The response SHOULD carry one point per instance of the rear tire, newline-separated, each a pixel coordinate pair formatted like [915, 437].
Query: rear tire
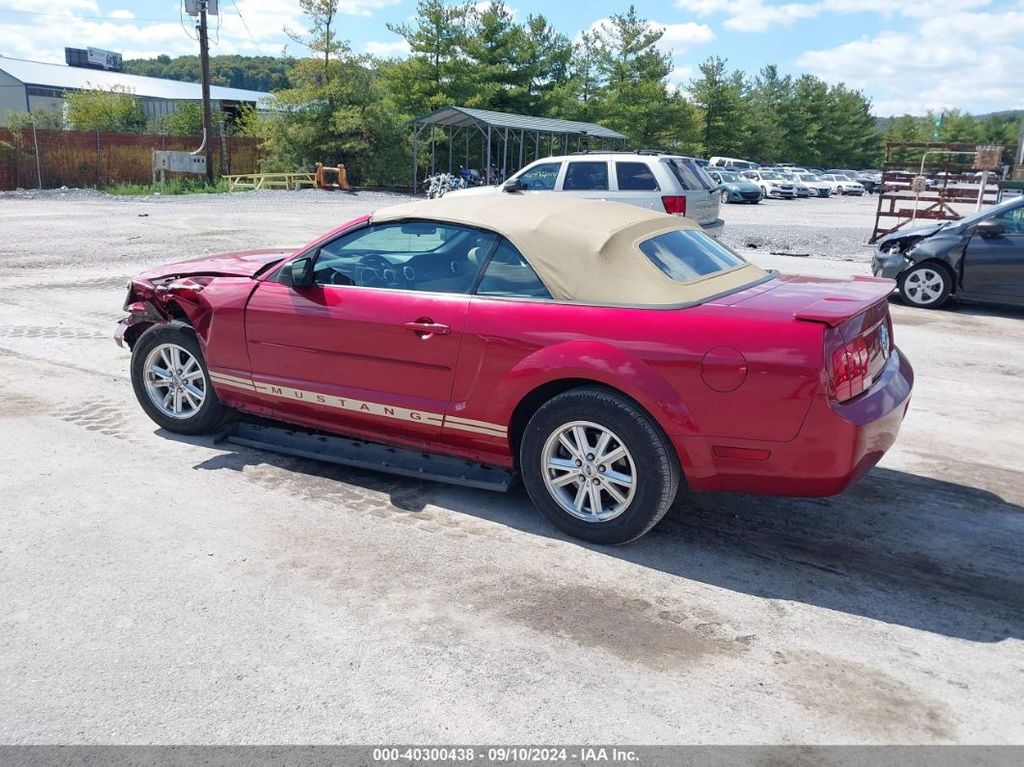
[171, 381]
[597, 466]
[926, 285]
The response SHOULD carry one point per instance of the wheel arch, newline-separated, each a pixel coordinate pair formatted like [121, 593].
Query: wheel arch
[947, 269]
[534, 399]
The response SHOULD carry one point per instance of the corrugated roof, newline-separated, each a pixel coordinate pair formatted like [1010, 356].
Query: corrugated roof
[61, 76]
[465, 116]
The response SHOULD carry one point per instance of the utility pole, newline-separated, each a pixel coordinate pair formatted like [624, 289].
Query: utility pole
[204, 65]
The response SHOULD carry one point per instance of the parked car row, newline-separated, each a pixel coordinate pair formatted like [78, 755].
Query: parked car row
[752, 186]
[788, 181]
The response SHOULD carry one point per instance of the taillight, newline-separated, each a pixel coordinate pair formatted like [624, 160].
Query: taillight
[674, 204]
[851, 374]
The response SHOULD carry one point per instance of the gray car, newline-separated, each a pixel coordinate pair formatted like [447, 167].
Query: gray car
[978, 258]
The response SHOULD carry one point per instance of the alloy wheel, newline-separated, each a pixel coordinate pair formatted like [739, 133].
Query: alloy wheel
[588, 471]
[174, 381]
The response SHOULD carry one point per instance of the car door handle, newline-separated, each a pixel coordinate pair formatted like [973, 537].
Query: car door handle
[428, 328]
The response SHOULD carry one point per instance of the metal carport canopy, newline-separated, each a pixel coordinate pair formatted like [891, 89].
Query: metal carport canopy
[466, 116]
[503, 128]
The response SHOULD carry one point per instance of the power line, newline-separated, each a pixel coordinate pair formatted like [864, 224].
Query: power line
[244, 24]
[72, 16]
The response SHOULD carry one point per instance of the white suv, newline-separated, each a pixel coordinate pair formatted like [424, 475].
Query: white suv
[668, 182]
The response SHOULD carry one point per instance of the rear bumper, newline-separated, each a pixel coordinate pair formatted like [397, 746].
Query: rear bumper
[837, 444]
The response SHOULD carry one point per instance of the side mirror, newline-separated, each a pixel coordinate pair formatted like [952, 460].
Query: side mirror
[513, 185]
[989, 228]
[301, 272]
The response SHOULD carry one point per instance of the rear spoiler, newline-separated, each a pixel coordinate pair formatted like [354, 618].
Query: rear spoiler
[858, 296]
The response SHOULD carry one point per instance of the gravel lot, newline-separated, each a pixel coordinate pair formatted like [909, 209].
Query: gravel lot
[795, 227]
[164, 590]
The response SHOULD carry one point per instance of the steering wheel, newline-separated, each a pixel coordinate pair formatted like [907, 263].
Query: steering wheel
[375, 271]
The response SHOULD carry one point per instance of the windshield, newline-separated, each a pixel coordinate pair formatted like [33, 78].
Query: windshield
[769, 176]
[728, 178]
[995, 210]
[809, 177]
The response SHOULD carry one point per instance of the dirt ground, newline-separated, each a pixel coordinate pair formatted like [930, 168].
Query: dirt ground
[157, 589]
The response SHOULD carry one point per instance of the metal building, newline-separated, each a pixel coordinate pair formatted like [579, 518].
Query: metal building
[500, 142]
[32, 86]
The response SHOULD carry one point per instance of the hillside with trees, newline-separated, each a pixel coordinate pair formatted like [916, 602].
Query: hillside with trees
[254, 73]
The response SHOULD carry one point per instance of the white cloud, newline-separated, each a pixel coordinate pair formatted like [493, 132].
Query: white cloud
[679, 79]
[761, 15]
[681, 37]
[393, 48]
[676, 38]
[920, 70]
[36, 37]
[485, 4]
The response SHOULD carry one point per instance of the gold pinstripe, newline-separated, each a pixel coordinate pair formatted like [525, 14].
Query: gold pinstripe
[360, 406]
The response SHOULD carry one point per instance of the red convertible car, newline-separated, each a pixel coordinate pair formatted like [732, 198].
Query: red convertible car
[602, 352]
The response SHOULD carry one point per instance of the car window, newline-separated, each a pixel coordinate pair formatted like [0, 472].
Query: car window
[688, 254]
[1012, 220]
[508, 274]
[689, 174]
[582, 176]
[635, 177]
[411, 255]
[541, 177]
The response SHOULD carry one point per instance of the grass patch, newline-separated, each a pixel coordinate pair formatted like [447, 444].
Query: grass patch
[173, 186]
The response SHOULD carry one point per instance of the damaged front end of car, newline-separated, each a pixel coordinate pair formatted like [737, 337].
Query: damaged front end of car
[150, 302]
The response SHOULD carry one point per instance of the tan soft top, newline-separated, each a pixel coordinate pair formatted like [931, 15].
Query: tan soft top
[583, 250]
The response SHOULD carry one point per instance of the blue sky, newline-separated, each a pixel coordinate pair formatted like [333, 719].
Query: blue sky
[906, 55]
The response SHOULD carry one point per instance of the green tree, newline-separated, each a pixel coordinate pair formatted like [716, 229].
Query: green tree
[634, 96]
[495, 47]
[187, 120]
[437, 72]
[254, 73]
[720, 97]
[347, 116]
[586, 82]
[765, 107]
[854, 140]
[116, 109]
[322, 36]
[545, 61]
[808, 119]
[958, 126]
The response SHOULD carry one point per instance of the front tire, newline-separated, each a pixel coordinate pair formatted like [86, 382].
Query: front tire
[926, 285]
[597, 466]
[171, 381]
